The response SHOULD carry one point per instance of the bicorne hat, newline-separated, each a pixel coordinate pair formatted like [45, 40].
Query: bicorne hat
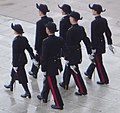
[51, 26]
[17, 27]
[97, 8]
[66, 8]
[75, 15]
[42, 7]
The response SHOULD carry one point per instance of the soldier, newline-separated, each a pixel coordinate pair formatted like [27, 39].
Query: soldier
[40, 35]
[74, 36]
[64, 26]
[99, 26]
[19, 59]
[51, 63]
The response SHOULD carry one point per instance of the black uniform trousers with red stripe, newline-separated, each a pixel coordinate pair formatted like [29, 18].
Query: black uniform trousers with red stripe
[50, 83]
[100, 69]
[77, 77]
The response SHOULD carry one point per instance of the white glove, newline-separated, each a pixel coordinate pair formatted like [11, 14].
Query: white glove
[15, 69]
[73, 67]
[44, 74]
[111, 48]
[35, 62]
[91, 57]
[93, 51]
[36, 53]
[66, 62]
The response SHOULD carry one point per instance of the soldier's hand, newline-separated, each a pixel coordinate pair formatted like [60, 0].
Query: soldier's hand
[111, 48]
[91, 57]
[73, 67]
[44, 74]
[36, 53]
[35, 62]
[15, 69]
[93, 51]
[66, 62]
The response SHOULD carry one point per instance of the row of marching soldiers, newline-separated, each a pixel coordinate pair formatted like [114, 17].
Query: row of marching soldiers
[50, 48]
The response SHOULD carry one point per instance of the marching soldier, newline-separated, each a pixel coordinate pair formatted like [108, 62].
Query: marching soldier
[51, 63]
[40, 35]
[99, 26]
[64, 25]
[19, 59]
[75, 35]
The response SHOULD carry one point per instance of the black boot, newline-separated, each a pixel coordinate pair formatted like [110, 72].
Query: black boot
[57, 107]
[9, 87]
[27, 92]
[41, 98]
[63, 86]
[26, 95]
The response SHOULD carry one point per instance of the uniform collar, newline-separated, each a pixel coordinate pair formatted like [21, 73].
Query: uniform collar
[75, 24]
[43, 16]
[98, 17]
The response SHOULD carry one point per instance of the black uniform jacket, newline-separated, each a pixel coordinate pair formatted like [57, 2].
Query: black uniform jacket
[64, 26]
[20, 44]
[75, 35]
[41, 32]
[51, 47]
[98, 27]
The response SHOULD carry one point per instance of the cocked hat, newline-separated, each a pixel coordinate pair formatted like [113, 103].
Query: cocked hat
[42, 7]
[76, 15]
[51, 26]
[97, 8]
[66, 8]
[17, 27]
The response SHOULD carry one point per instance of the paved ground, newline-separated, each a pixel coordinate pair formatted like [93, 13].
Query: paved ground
[100, 99]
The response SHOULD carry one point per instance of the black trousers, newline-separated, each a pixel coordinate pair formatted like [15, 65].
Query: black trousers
[77, 77]
[50, 82]
[35, 69]
[100, 68]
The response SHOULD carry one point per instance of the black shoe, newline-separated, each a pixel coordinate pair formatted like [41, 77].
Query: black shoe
[9, 86]
[78, 93]
[35, 76]
[32, 74]
[87, 75]
[26, 95]
[63, 86]
[41, 98]
[101, 83]
[57, 107]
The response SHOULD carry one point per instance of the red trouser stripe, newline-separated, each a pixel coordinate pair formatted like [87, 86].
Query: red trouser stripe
[99, 68]
[53, 91]
[78, 82]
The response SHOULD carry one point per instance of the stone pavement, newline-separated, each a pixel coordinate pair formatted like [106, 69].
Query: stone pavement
[100, 99]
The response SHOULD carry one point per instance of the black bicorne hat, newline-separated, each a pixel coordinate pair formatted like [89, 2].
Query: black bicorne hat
[42, 7]
[66, 8]
[97, 7]
[75, 15]
[51, 26]
[17, 27]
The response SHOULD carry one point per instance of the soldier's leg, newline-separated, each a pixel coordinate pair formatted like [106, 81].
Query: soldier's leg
[101, 70]
[90, 70]
[45, 91]
[34, 69]
[10, 86]
[66, 77]
[27, 92]
[79, 82]
[55, 91]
